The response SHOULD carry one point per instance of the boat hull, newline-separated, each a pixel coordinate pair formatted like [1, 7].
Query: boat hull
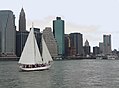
[35, 69]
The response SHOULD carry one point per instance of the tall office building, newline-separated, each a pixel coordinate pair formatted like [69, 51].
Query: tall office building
[69, 49]
[21, 38]
[38, 37]
[22, 21]
[101, 46]
[86, 48]
[7, 33]
[76, 41]
[107, 44]
[96, 50]
[50, 41]
[58, 31]
[67, 45]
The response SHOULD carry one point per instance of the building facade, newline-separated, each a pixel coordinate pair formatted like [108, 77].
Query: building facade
[22, 21]
[21, 38]
[7, 33]
[101, 46]
[67, 45]
[50, 41]
[38, 37]
[58, 31]
[86, 48]
[96, 50]
[107, 44]
[76, 41]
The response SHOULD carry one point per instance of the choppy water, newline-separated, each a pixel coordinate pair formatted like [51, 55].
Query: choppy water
[63, 74]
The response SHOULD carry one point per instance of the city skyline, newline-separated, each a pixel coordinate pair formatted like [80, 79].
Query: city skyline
[89, 17]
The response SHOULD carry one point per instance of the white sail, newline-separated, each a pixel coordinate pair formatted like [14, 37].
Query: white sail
[45, 52]
[30, 54]
[38, 58]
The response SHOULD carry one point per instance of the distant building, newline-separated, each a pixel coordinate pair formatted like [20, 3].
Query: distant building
[38, 37]
[101, 46]
[76, 40]
[7, 33]
[58, 31]
[107, 44]
[50, 41]
[86, 48]
[21, 37]
[22, 21]
[67, 45]
[96, 50]
[22, 34]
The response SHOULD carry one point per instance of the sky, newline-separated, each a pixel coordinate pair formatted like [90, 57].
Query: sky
[92, 18]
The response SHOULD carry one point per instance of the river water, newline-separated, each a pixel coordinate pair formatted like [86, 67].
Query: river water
[63, 74]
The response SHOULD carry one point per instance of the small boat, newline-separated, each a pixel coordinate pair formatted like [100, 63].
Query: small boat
[31, 59]
[100, 56]
[112, 57]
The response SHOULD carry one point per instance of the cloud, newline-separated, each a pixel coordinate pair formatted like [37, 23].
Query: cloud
[72, 27]
[41, 23]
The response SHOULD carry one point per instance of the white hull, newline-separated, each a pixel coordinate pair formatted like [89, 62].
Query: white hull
[35, 69]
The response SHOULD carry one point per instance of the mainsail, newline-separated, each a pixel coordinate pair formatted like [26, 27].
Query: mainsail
[31, 54]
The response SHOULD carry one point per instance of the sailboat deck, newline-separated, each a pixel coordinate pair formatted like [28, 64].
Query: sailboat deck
[33, 68]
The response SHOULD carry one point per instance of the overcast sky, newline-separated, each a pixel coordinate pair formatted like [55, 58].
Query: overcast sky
[92, 18]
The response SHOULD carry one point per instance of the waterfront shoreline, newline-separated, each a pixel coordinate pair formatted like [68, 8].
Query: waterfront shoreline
[9, 58]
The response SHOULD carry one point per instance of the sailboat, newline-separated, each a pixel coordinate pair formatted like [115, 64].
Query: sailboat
[31, 59]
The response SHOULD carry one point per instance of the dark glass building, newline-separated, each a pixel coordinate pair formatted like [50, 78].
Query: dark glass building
[96, 50]
[58, 31]
[21, 38]
[76, 41]
[67, 45]
[38, 37]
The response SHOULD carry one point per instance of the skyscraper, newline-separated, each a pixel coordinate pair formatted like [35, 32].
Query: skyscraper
[50, 41]
[76, 41]
[7, 33]
[22, 34]
[22, 21]
[96, 50]
[101, 46]
[107, 44]
[21, 38]
[67, 45]
[58, 31]
[38, 37]
[86, 48]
